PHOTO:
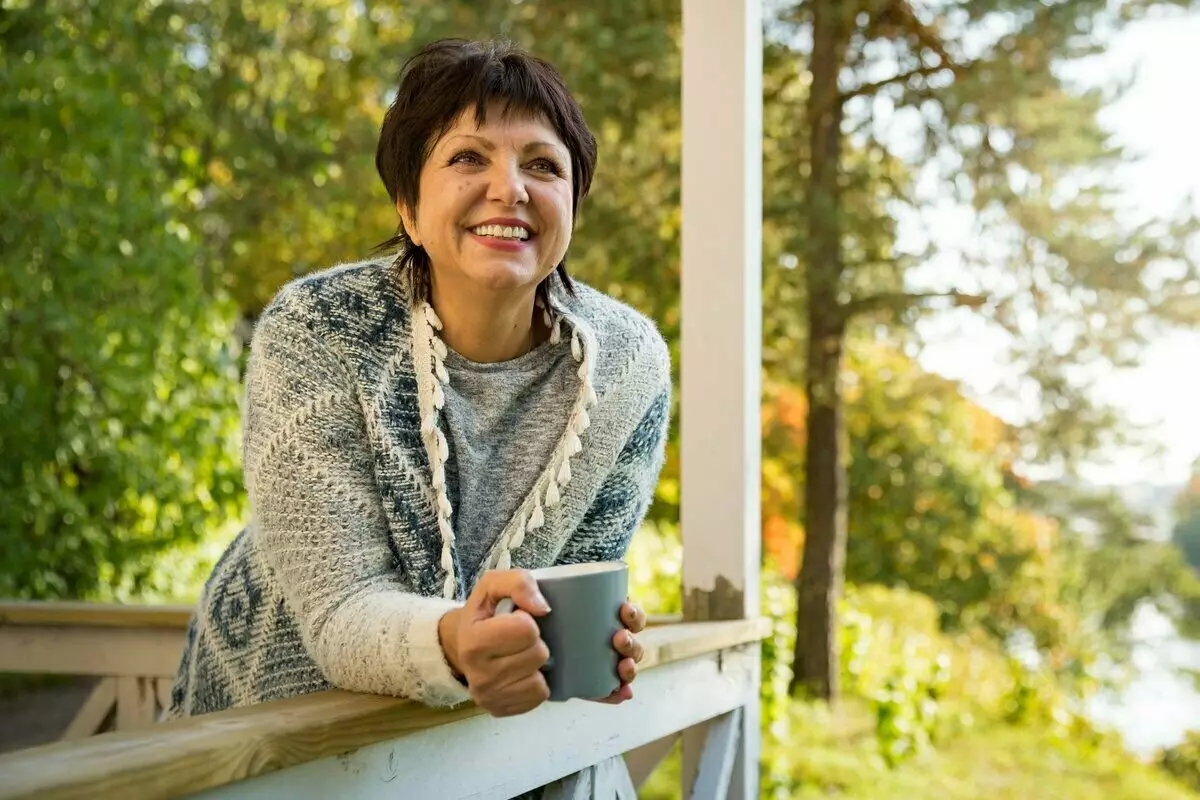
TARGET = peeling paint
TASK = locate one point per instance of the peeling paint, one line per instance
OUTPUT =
(724, 601)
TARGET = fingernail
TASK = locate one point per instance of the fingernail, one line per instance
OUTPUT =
(628, 640)
(540, 602)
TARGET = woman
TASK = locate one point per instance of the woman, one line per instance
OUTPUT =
(421, 431)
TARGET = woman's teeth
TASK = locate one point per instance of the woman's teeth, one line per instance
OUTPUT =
(501, 232)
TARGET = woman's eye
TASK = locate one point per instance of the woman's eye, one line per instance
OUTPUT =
(468, 157)
(547, 166)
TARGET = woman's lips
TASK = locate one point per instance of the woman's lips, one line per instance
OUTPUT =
(503, 245)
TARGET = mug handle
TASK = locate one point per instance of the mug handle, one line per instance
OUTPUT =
(507, 606)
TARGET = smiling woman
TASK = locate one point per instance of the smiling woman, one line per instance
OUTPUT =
(424, 429)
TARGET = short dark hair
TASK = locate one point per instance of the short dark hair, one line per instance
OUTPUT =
(446, 78)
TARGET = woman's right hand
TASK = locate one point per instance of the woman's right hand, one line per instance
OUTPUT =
(500, 656)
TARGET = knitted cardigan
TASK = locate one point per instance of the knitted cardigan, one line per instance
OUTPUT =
(349, 561)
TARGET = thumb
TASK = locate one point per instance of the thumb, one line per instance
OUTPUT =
(517, 585)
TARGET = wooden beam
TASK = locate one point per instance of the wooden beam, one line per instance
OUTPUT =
(720, 435)
(162, 691)
(94, 615)
(69, 650)
(721, 450)
(135, 703)
(94, 711)
(691, 672)
(716, 762)
(672, 643)
(516, 754)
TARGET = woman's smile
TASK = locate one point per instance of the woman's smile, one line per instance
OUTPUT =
(504, 234)
(495, 204)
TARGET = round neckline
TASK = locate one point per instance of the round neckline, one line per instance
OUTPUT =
(456, 360)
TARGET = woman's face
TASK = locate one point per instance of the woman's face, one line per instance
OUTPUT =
(495, 203)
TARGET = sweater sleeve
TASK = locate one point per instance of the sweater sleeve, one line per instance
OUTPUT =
(321, 526)
(626, 492)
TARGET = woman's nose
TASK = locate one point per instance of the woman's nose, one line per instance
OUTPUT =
(506, 184)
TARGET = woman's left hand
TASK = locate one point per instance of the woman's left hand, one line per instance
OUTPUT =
(630, 649)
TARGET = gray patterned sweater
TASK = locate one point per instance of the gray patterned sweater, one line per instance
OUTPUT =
(349, 560)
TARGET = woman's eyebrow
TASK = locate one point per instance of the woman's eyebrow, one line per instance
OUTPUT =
(488, 145)
(543, 145)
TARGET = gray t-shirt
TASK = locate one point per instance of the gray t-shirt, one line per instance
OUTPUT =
(502, 423)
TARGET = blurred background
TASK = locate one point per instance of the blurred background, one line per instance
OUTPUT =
(990, 204)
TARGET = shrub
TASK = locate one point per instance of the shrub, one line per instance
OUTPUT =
(1183, 760)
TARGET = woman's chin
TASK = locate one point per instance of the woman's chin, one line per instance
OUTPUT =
(503, 278)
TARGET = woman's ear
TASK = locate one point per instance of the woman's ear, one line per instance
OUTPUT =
(409, 221)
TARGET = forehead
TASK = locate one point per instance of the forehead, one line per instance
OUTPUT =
(502, 126)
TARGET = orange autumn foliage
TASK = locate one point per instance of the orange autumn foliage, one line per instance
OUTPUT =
(784, 414)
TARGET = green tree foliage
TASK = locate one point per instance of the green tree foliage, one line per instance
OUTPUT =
(1183, 760)
(118, 406)
(998, 127)
(929, 507)
(936, 507)
(165, 155)
(172, 163)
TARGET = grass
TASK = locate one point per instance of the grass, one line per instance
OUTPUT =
(834, 756)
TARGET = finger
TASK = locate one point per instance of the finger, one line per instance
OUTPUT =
(505, 635)
(521, 697)
(619, 696)
(507, 671)
(637, 651)
(628, 645)
(633, 617)
(515, 584)
(627, 670)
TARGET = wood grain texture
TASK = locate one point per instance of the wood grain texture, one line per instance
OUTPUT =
(669, 643)
(162, 692)
(94, 615)
(75, 650)
(135, 703)
(482, 758)
(186, 756)
(94, 711)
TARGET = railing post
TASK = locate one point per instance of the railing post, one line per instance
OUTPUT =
(722, 332)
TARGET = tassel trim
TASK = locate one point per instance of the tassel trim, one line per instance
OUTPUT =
(547, 493)
(436, 445)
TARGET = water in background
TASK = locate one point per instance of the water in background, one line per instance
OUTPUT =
(1162, 701)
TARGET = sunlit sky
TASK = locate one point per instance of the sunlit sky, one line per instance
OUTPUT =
(1159, 120)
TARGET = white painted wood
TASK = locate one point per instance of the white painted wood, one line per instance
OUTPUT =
(721, 294)
(692, 750)
(722, 325)
(486, 758)
(716, 762)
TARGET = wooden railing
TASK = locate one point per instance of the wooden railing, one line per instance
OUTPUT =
(341, 744)
(133, 650)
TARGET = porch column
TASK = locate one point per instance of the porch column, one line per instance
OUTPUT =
(722, 332)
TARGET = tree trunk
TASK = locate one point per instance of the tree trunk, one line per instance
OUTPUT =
(820, 582)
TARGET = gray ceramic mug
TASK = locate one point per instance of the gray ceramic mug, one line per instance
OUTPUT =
(585, 614)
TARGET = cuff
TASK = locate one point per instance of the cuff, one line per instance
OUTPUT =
(439, 686)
